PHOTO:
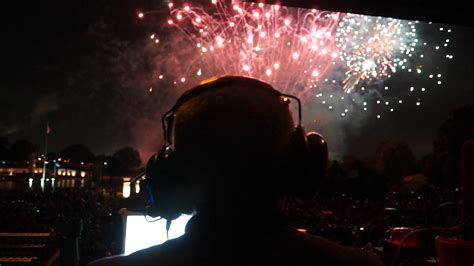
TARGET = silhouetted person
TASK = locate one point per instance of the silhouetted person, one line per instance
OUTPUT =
(232, 143)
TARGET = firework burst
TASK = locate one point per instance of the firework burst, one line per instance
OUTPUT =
(299, 51)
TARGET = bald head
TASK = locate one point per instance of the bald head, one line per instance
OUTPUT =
(237, 120)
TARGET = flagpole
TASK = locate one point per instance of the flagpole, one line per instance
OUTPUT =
(45, 150)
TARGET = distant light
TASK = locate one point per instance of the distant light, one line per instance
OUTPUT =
(140, 15)
(105, 163)
(137, 187)
(126, 189)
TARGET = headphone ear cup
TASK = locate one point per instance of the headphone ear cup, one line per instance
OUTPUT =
(306, 163)
(296, 173)
(318, 153)
(161, 182)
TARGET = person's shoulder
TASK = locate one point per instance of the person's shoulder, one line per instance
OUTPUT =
(155, 255)
(330, 253)
(347, 255)
(108, 261)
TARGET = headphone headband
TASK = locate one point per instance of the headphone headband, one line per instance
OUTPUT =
(305, 161)
(210, 85)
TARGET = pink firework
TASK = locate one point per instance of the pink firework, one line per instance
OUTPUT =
(290, 48)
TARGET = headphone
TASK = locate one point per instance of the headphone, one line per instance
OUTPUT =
(305, 162)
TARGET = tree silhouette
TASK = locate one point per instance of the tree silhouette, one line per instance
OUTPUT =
(454, 131)
(21, 150)
(395, 159)
(4, 143)
(77, 153)
(125, 161)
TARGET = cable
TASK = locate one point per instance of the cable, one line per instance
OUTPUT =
(444, 229)
(403, 240)
(151, 221)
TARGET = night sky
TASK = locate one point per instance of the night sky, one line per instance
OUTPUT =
(79, 66)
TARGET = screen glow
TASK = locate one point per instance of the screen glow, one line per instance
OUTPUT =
(141, 233)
